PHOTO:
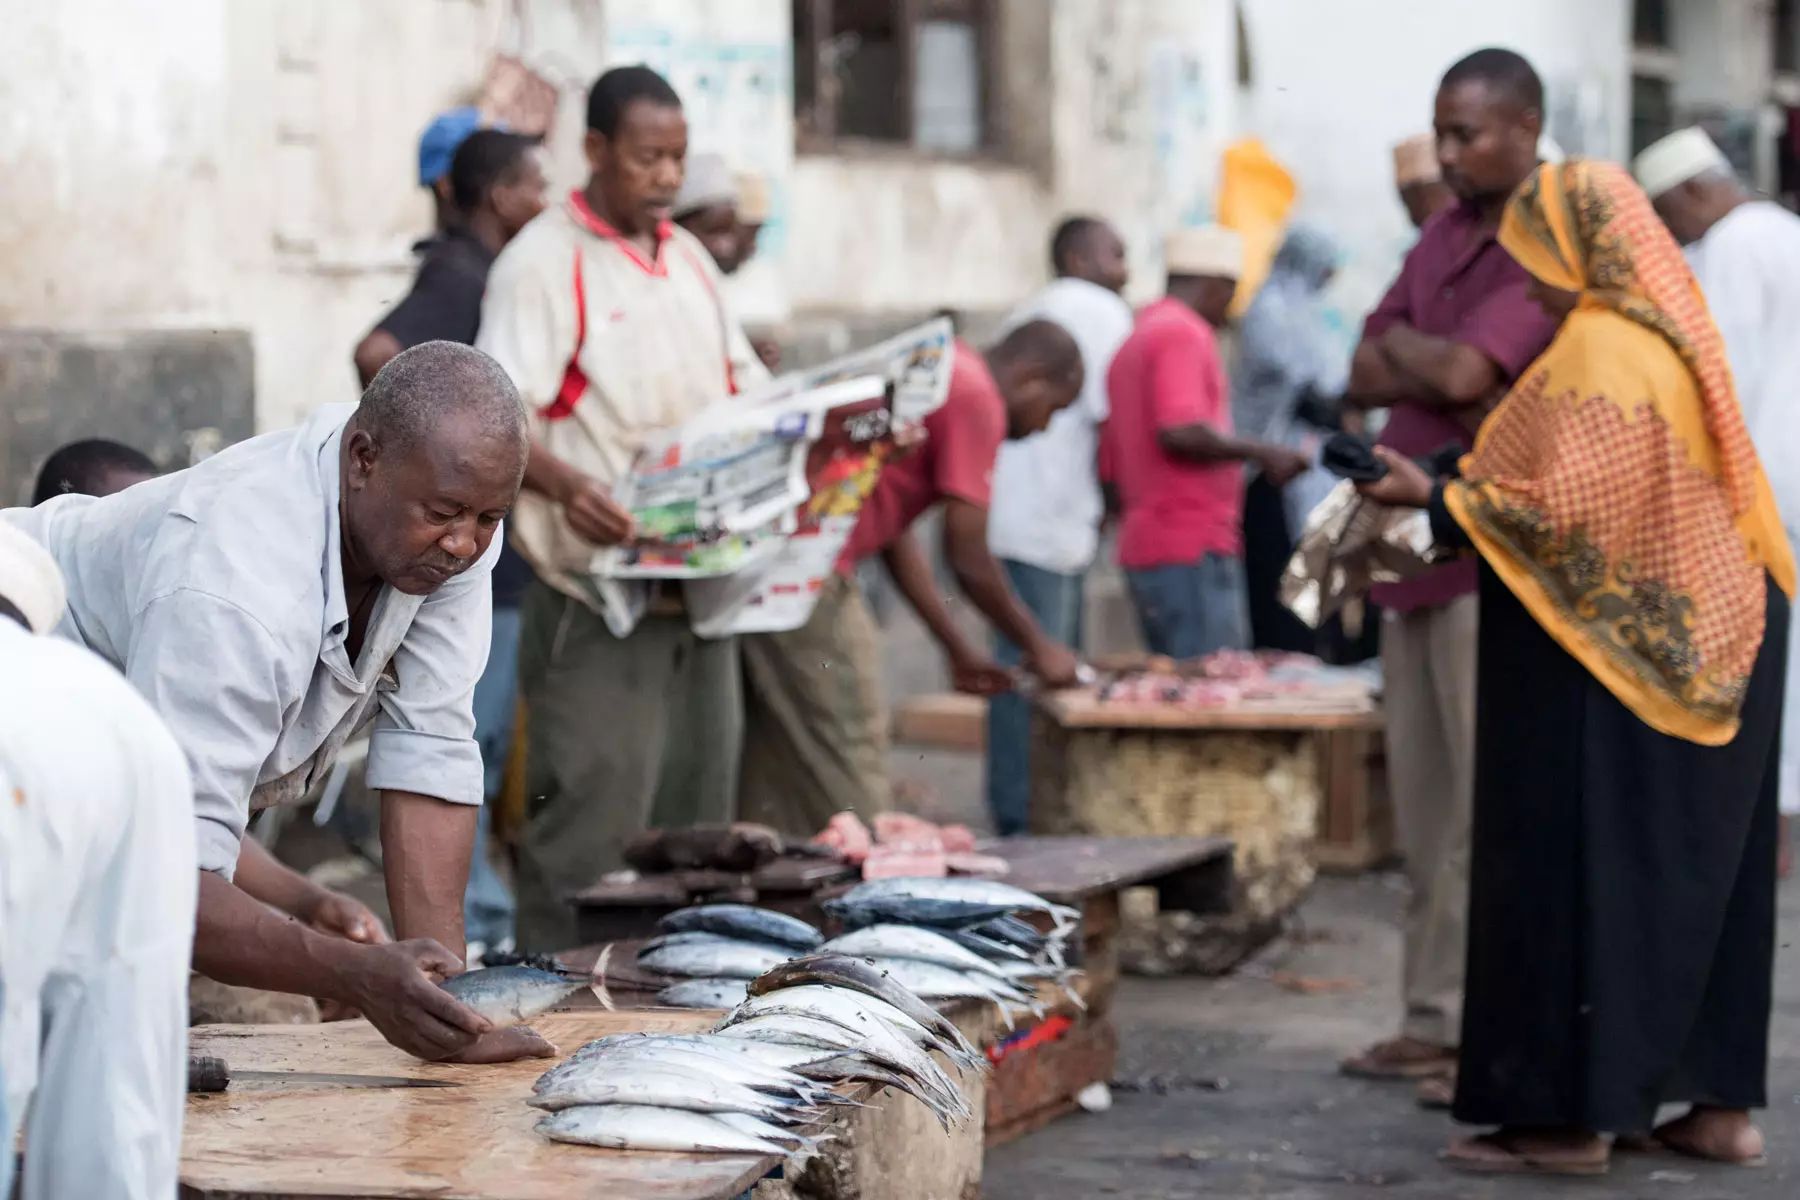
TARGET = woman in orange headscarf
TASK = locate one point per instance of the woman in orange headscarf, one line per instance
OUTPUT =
(1634, 600)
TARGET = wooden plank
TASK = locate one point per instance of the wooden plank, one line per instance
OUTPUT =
(1081, 708)
(1067, 870)
(473, 1141)
(466, 1143)
(950, 722)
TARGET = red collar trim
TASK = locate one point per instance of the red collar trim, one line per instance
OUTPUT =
(591, 221)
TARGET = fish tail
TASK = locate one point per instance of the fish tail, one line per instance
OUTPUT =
(597, 980)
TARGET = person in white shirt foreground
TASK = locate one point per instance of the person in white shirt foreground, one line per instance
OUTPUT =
(1746, 254)
(96, 909)
(1044, 519)
(277, 598)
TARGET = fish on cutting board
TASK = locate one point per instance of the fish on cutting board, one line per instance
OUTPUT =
(637, 1127)
(514, 995)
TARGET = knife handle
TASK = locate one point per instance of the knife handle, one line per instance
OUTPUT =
(208, 1075)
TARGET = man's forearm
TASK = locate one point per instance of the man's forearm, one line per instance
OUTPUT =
(425, 848)
(1374, 383)
(1437, 372)
(239, 940)
(1204, 444)
(912, 575)
(546, 474)
(262, 877)
(983, 581)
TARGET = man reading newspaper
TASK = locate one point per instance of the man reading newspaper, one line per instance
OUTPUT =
(609, 319)
(815, 719)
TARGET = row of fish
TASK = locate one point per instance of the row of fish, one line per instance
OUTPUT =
(766, 1073)
(939, 938)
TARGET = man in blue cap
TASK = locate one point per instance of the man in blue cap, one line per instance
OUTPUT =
(437, 147)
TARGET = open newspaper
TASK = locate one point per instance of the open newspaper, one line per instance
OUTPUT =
(751, 502)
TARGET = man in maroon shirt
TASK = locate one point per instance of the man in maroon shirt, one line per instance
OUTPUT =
(815, 719)
(1446, 342)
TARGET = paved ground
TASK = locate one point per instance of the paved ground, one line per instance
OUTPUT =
(1253, 1109)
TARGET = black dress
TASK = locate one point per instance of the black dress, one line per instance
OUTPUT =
(1622, 899)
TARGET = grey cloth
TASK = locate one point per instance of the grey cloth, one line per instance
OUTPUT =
(621, 734)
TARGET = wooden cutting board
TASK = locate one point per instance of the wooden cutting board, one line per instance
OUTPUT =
(473, 1141)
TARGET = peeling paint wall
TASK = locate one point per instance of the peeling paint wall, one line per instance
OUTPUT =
(250, 165)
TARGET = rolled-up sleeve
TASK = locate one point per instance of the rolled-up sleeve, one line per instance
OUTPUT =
(212, 672)
(424, 735)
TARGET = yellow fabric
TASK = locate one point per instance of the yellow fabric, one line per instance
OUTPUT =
(1615, 489)
(1256, 193)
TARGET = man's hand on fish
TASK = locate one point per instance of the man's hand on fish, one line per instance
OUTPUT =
(396, 987)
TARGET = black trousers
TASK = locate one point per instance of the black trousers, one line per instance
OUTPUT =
(1622, 898)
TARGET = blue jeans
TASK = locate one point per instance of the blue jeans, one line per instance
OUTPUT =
(487, 904)
(1192, 609)
(1055, 600)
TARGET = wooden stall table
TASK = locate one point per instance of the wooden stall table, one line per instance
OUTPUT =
(1250, 772)
(470, 1141)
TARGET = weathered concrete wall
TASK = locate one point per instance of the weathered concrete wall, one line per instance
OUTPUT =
(178, 395)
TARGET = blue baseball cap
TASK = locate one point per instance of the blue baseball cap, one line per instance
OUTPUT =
(437, 145)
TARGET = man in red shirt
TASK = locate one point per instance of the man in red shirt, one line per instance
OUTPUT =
(1169, 452)
(1452, 334)
(815, 734)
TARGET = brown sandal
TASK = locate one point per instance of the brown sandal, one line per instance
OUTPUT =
(1503, 1154)
(1659, 1142)
(1401, 1058)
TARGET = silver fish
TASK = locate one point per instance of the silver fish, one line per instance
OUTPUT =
(861, 974)
(849, 1008)
(744, 1070)
(755, 1127)
(720, 959)
(877, 1042)
(745, 922)
(690, 1091)
(973, 892)
(911, 941)
(636, 1127)
(992, 949)
(697, 938)
(703, 993)
(513, 995)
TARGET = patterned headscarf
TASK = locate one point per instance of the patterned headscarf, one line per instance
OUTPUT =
(1615, 488)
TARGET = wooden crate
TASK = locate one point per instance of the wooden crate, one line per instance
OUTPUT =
(1356, 821)
(1250, 773)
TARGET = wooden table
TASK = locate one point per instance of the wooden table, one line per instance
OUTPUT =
(473, 1141)
(1258, 773)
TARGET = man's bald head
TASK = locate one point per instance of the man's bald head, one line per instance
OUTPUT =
(1039, 370)
(431, 462)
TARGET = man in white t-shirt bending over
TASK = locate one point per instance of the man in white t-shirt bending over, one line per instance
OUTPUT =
(1746, 254)
(1044, 520)
(97, 886)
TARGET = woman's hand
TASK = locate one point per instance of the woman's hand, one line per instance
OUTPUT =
(1406, 485)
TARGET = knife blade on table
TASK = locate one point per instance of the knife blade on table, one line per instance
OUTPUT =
(210, 1074)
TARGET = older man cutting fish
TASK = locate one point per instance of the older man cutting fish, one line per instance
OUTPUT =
(277, 598)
